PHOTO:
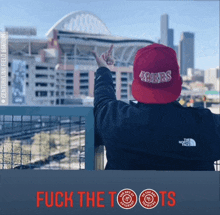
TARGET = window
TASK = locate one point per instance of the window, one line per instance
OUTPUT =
(52, 68)
(27, 66)
(52, 84)
(84, 93)
(84, 74)
(51, 93)
(57, 93)
(124, 73)
(62, 93)
(9, 83)
(69, 93)
(69, 74)
(123, 91)
(52, 76)
(84, 81)
(124, 85)
(41, 68)
(41, 93)
(9, 74)
(27, 84)
(69, 81)
(27, 75)
(9, 64)
(124, 79)
(84, 87)
(124, 96)
(40, 84)
(69, 87)
(41, 76)
(52, 102)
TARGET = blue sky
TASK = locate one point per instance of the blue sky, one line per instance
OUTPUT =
(136, 19)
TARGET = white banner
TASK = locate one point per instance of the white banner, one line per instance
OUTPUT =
(18, 82)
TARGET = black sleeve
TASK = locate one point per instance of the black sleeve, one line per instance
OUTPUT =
(109, 113)
(104, 93)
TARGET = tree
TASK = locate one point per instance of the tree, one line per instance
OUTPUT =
(13, 153)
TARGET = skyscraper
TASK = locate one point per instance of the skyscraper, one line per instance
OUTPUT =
(164, 29)
(170, 38)
(177, 53)
(186, 52)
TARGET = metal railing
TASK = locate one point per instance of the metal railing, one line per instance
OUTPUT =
(47, 138)
(56, 138)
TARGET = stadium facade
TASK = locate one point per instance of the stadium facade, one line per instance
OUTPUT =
(60, 67)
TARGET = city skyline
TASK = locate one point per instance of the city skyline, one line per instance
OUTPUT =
(129, 19)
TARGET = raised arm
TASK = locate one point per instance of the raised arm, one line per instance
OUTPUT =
(104, 89)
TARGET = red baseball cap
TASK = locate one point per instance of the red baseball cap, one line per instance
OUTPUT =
(156, 75)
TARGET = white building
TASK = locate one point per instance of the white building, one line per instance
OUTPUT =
(212, 76)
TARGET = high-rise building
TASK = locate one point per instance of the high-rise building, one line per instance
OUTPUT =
(186, 52)
(170, 38)
(164, 29)
(176, 50)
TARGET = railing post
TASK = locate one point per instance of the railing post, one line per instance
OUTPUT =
(89, 141)
(99, 158)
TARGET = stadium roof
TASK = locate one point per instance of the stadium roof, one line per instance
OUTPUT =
(99, 37)
(86, 25)
(80, 21)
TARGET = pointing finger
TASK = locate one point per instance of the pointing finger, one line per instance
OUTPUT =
(110, 50)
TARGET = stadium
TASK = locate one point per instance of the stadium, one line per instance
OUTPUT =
(60, 68)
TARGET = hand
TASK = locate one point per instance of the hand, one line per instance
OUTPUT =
(105, 59)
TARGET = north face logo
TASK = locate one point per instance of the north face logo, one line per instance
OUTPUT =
(188, 142)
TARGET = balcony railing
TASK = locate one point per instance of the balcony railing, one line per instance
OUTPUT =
(56, 138)
(48, 138)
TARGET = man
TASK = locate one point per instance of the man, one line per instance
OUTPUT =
(157, 133)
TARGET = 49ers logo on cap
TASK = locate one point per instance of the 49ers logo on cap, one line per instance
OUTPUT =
(149, 199)
(127, 198)
(155, 78)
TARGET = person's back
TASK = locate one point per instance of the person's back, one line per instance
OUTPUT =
(157, 133)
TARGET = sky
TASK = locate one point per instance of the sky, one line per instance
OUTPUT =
(128, 18)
